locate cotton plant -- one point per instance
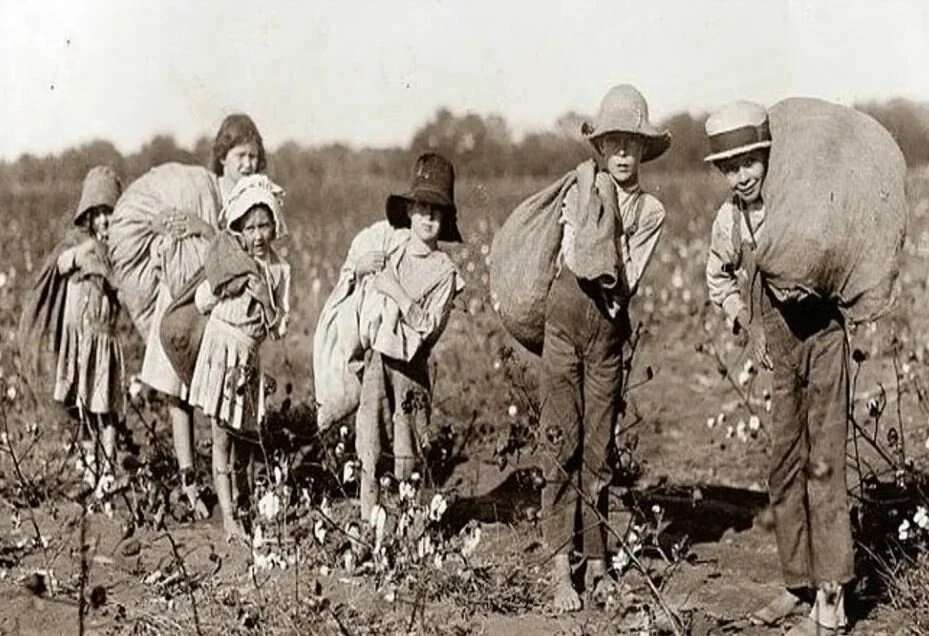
(269, 524)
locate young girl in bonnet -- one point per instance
(394, 298)
(246, 293)
(79, 327)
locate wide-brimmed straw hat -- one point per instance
(624, 110)
(433, 182)
(255, 189)
(737, 128)
(101, 188)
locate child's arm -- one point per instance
(282, 300)
(79, 257)
(428, 316)
(67, 260)
(722, 265)
(368, 251)
(639, 248)
(204, 298)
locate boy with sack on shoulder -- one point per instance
(801, 337)
(609, 232)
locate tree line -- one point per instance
(481, 146)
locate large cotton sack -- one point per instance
(522, 268)
(835, 206)
(141, 255)
(349, 324)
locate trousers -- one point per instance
(808, 347)
(581, 385)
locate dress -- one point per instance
(227, 379)
(90, 360)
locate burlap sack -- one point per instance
(523, 255)
(836, 212)
(140, 254)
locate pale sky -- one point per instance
(370, 72)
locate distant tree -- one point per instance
(477, 146)
(908, 122)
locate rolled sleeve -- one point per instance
(639, 248)
(722, 265)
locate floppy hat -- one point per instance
(434, 183)
(624, 109)
(255, 189)
(737, 128)
(101, 187)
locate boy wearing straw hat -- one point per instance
(801, 338)
(609, 232)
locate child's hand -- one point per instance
(756, 339)
(180, 225)
(386, 283)
(83, 252)
(371, 262)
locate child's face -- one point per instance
(100, 224)
(240, 161)
(623, 154)
(425, 221)
(257, 231)
(745, 174)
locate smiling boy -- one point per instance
(801, 338)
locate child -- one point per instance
(251, 303)
(610, 229)
(802, 338)
(88, 375)
(407, 285)
(163, 227)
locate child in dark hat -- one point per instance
(610, 228)
(402, 286)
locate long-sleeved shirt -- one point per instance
(724, 264)
(429, 277)
(246, 313)
(87, 303)
(638, 232)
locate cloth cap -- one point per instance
(255, 189)
(737, 128)
(101, 188)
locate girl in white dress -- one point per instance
(250, 304)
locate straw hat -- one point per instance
(434, 183)
(624, 109)
(255, 189)
(101, 188)
(737, 128)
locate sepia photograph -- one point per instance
(448, 317)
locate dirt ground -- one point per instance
(731, 569)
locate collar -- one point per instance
(418, 248)
(624, 192)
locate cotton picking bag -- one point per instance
(835, 207)
(140, 254)
(522, 268)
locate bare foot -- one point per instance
(566, 598)
(196, 502)
(234, 530)
(598, 582)
(778, 609)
